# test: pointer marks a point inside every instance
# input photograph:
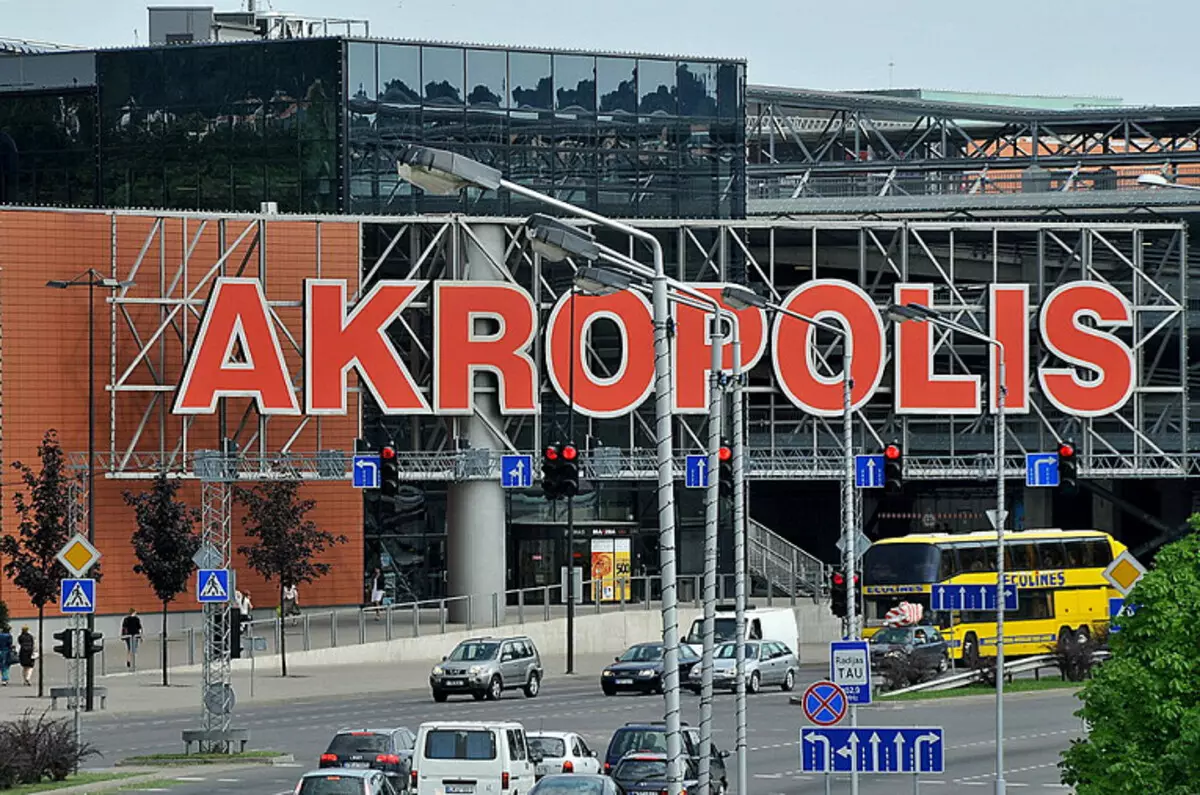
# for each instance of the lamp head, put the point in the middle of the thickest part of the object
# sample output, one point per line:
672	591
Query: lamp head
601	281
1154	180
440	172
739	297
58	284
556	240
900	313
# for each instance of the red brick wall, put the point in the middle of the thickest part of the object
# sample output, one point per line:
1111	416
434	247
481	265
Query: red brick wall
43	351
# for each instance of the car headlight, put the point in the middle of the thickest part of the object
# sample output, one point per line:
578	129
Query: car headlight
437	670
607	672
646	673
894	653
475	670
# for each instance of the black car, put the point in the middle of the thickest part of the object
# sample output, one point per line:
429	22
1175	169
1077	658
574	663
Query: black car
651	737
646	774
640	669
906	655
388	750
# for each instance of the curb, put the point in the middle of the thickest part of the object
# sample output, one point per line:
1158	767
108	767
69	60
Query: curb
155	774
184	764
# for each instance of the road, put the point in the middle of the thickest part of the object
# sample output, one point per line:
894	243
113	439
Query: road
1038	726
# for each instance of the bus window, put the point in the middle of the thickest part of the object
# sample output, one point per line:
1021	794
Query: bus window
1019	557
974	558
949	567
1050	555
901	564
1094	553
1034	604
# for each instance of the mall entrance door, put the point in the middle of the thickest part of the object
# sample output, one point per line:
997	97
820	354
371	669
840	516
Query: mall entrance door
538	553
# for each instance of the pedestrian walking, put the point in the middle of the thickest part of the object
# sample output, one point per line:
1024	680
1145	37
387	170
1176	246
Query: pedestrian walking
377	591
8	653
291	604
26	654
131	633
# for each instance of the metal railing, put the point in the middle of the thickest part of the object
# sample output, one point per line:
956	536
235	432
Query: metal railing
781	565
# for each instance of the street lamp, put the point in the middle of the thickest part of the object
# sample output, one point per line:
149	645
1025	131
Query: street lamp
439	171
901	313
91	278
1159	181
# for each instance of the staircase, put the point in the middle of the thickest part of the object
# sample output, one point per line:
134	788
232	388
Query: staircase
780	567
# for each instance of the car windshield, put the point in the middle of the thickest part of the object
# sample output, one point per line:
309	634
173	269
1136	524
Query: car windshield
472	652
649	652
723	629
630	740
331	785
358	743
729	651
890	635
548	746
452	744
569	785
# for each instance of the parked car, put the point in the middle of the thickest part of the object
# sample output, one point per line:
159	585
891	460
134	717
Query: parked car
562	752
567	784
769	663
646	774
651	737
345	781
387	750
639	669
909	653
486	667
472	758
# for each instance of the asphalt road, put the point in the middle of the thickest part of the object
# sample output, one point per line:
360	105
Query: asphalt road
1038	727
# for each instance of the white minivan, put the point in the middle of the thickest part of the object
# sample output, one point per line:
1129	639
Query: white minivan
472	758
773	623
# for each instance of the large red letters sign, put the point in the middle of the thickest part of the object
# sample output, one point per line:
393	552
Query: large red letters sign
491	327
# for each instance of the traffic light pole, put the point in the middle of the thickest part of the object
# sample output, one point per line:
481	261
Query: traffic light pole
79	665
571	501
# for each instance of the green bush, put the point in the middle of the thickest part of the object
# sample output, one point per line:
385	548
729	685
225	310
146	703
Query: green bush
36	748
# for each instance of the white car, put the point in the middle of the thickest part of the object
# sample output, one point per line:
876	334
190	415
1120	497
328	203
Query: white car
562	752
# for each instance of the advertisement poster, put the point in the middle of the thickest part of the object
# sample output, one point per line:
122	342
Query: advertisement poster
611	568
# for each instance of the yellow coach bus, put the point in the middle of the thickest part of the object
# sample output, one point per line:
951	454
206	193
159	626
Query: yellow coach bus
1059	575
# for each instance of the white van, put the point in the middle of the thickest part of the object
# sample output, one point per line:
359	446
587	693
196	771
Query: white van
773	623
471	758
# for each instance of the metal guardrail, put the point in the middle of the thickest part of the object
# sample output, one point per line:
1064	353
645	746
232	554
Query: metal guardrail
1021	666
781	564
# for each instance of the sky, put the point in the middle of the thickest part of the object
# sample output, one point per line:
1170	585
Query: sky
1068	47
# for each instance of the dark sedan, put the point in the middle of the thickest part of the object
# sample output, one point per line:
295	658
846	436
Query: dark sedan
387	750
640	669
646	774
907	655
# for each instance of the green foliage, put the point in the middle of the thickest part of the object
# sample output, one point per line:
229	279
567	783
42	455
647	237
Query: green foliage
43	527
1142	706
36	748
165	540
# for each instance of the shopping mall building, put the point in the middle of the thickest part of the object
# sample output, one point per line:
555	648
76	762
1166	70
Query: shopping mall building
249	191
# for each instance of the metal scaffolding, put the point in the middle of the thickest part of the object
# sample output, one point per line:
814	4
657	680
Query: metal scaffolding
216	541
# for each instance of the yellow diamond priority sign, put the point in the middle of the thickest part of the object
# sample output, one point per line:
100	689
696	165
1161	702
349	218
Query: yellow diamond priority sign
1124	572
77	555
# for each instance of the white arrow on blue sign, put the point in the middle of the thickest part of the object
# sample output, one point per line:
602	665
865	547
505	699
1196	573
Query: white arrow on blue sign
516	471
868	471
883	749
366	471
970	597
1041	470
695	472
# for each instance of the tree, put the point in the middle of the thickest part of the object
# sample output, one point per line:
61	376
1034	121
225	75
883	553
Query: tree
165	543
31	555
1142	706
286	543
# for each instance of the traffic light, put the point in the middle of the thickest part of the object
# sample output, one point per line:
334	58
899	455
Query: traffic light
568	471
235	633
893	469
66	643
837	595
389	472
93	642
1067	466
725	461
551	460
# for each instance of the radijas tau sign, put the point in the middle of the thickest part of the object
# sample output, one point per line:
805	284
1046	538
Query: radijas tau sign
237	351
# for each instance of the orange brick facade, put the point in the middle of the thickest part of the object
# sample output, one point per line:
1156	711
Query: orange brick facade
44	365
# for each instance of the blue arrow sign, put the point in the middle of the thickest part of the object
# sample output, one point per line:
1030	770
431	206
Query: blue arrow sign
1041	469
366	471
516	471
77	596
970	597
695	473
884	749
212	586
868	471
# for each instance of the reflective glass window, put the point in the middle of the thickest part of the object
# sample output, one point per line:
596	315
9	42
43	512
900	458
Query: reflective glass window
730	99
487	78
616	85
362	79
442	74
575	83
656	87
697	89
531	80
399	74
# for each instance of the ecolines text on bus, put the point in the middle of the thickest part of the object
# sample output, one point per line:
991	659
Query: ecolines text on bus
339	338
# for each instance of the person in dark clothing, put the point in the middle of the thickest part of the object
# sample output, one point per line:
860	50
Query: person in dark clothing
26	654
131	632
7	653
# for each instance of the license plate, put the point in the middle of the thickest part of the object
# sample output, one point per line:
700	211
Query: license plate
460	789
358	765
455	683
543	769
625	682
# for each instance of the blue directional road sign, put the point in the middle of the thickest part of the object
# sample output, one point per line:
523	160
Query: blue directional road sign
872	750
868	471
1116	609
850	669
77	596
824	703
695	473
516	471
366	471
970	597
1041	469
212	586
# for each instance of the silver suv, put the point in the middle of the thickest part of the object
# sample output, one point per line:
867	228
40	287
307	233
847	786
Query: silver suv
486	667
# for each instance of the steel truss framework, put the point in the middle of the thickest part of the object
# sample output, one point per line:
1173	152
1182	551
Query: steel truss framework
1146	262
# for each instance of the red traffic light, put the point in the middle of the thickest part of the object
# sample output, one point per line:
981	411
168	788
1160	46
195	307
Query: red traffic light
724	454
387	453
570	453
551	453
1065	450
891	452
838	579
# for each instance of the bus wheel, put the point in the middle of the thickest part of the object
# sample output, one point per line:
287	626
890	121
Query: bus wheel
971	651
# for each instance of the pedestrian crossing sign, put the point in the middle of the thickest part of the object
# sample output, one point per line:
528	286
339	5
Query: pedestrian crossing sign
77	596
212	586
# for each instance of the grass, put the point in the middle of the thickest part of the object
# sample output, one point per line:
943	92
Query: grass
157	783
1015	686
69	781
196	759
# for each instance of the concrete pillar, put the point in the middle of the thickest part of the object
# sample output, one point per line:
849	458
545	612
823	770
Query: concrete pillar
1104	514
1039	508
476	544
